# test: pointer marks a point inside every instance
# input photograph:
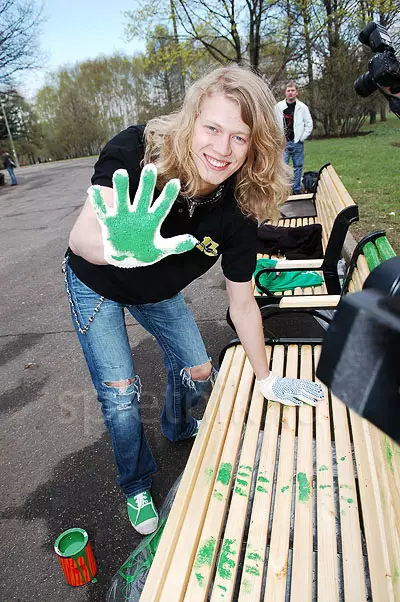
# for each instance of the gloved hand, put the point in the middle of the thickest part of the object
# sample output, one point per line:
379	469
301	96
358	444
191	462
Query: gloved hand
290	391
131	232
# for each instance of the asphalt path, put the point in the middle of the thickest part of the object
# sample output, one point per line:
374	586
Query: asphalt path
57	468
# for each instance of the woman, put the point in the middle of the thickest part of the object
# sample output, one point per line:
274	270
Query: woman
226	149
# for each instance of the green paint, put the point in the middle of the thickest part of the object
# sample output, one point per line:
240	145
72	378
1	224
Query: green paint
246	468
284	488
200	579
246	586
242	482
345	487
349	500
224	589
389	454
224	473
304	487
131	231
324	486
131	569
262	479
254	556
226	563
343	513
342	459
252	570
240	491
323	467
396	575
261	489
218	495
208	473
205	553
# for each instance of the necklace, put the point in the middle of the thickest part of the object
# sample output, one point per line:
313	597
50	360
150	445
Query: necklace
199	201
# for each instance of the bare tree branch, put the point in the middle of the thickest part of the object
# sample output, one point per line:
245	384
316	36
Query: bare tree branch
19	29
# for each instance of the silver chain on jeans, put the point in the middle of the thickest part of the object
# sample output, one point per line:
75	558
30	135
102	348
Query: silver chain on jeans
96	309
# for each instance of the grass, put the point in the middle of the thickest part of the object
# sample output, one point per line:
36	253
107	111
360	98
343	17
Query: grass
369	167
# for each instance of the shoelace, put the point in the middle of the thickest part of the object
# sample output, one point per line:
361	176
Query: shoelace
142	499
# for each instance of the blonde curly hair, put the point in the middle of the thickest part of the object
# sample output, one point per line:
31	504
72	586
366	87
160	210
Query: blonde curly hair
262	183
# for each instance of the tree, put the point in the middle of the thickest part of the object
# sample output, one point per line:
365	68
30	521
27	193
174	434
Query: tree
227	30
19	28
24	127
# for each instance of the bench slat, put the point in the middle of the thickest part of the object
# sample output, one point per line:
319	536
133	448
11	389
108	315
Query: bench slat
327	565
278	558
302	568
183	554
343	192
251	581
177	514
300	197
310	301
224	583
352	557
373	516
207	547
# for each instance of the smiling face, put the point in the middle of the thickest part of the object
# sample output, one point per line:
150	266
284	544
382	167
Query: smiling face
220	141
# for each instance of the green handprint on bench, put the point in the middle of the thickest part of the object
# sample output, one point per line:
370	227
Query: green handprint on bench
131	232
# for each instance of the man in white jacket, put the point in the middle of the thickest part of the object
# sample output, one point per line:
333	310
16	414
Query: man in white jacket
295	119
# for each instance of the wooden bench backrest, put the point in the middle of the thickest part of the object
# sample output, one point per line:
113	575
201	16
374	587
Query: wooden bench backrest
330	198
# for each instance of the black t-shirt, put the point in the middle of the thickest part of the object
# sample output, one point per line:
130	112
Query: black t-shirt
221	228
288	117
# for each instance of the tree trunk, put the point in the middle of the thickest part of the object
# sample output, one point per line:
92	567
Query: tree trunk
383	111
372	116
178	49
306	19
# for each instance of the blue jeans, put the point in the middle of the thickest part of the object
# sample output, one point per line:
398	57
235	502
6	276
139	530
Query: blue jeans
12	175
101	329
295	150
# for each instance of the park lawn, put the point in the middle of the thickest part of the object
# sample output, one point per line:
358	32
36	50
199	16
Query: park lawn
369	167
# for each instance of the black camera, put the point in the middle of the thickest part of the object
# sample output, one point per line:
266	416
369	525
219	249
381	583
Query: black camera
383	68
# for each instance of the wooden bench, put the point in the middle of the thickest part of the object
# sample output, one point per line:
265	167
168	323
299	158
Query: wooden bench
279	503
371	250
336	211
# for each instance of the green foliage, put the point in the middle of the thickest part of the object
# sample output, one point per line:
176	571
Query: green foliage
369	168
24	127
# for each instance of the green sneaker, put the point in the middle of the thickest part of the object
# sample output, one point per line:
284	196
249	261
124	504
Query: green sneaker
196	432
142	513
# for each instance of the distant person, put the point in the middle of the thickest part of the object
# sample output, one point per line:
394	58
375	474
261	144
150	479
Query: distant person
295	119
9	165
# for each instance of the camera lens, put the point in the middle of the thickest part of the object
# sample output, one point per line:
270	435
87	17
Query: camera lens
364	85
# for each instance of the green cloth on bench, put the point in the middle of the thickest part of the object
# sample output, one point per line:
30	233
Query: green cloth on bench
285	280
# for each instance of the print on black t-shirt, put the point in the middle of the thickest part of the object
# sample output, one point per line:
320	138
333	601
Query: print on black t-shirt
288	120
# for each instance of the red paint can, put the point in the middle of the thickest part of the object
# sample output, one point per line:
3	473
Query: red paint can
76	556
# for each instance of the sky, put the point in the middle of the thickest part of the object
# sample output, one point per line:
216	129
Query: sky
76	30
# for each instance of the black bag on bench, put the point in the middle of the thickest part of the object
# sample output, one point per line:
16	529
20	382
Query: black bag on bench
310	179
302	242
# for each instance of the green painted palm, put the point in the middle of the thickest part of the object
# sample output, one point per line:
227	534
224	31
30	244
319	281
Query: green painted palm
131	232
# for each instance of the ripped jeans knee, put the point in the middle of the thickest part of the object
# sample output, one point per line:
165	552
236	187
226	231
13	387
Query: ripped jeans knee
202	387
121	396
